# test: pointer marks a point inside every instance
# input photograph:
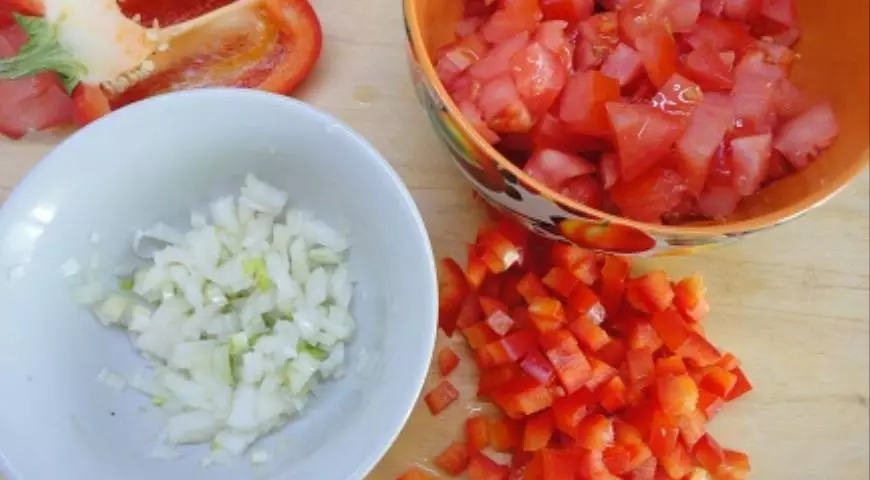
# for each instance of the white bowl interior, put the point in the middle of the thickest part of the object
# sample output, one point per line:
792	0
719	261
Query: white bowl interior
154	161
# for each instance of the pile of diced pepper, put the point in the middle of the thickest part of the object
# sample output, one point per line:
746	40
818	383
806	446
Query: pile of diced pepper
597	374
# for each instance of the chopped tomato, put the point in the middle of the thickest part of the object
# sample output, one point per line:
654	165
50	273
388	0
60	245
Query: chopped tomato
804	137
271	45
706	66
514	17
650	195
750	160
441	397
721	35
582	107
456	58
539	76
754	87
552	35
554	168
623	64
497	61
658	52
502	106
598	35
454	459
585	190
644	134
571	11
742	10
447	361
609	170
678	96
706	130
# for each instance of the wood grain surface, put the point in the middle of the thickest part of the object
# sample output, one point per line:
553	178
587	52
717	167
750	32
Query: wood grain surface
792	303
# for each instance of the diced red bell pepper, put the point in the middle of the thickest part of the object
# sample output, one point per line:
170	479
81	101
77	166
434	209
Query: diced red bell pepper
583	264
538	367
591	466
481	467
663	435
698	350
601	374
613	276
503	250
454	459
594	432
441	397
709	404
677	463
613	353
479	335
538	431
692	427
477	432
641	369
560	281
452	290
547	307
500	322
447	361
522	396
476	269
650	293
491	379
622	459
570	410
511	348
708	453
671	329
643	336
531	288
741	387
718	381
645	471
735	466
564	353
613	396
469	313
590	334
690	298
491	305
505	434
677	394
672	365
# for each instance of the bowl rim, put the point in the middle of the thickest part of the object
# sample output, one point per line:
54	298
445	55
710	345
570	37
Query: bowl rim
418	366
692	229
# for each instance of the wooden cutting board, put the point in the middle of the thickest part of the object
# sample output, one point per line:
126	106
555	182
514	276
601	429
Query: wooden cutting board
792	303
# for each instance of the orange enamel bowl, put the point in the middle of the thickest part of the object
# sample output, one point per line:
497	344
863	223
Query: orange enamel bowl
833	65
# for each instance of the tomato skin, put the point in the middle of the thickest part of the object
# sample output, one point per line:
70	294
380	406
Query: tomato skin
582	107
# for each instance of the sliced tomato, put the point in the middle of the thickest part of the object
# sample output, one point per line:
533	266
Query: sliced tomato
802	138
502	107
658	52
539	76
441	397
454	459
447	361
678	96
270	45
706	66
644	134
497	61
89	104
649	196
514	17
623	64
582	106
706	130
750	160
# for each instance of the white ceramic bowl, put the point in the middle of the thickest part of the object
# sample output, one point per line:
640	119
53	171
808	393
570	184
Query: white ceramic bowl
155	161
